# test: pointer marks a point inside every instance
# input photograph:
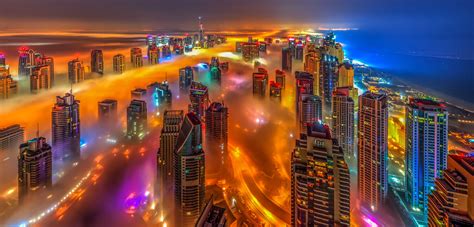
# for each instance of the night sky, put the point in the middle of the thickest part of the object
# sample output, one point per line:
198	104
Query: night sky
431	16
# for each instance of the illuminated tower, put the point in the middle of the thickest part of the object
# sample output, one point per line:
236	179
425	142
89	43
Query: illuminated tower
201	30
186	76
75	71
107	112
215	73
23	63
8	86
119	63
286	59
280	77
217	130
304	84
136	57
343	120
66	130
153	55
328	79
35	167
199	97
451	203
309	110
40	78
97	62
189	171
320	180
426	150
346	75
11	137
250	51
260	82
312	64
136	120
2	60
373	150
172	120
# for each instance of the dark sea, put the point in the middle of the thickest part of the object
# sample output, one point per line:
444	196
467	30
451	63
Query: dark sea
438	64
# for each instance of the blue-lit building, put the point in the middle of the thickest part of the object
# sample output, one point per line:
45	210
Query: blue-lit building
136	119
328	79
186	76
66	130
426	151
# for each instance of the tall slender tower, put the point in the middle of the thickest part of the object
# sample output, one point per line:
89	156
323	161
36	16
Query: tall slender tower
343	120
310	110
201	30
320	180
189	171
199	97
172	121
66	130
373	150
217	130
75	71
97	62
426	150
119	63
136	119
35	167
136	57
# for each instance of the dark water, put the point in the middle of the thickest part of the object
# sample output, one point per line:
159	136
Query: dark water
438	64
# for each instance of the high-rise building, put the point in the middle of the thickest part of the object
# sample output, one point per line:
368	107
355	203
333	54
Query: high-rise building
320	180
161	93
136	120
372	150
2	60
280	77
451	203
40	78
312	64
260	82
139	93
97	62
426	151
304	84
299	51
35	164
23	63
343	120
309	110
199	97
107	110
8	86
328	80
212	216
215	73
11	137
166	52
172	120
153	55
48	61
119	63
217	129
75	71
250	51
66	130
275	89
136	57
189	171
346	75
286	59
186	76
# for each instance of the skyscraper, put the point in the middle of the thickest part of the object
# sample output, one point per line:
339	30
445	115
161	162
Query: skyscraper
153	55
304	84
199	98
11	137
75	71
2	60
286	59
320	180
275	89
136	120
107	112
161	93
373	150
216	73
217	130
97	62
346	75
312	64
280	77
136	57
35	164
8	86
189	171
172	120
49	61
260	82
212	216
299	51
66	130
186	76
451	203
426	150
40	78
328	79
309	110
23	63
119	63
343	120
250	51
